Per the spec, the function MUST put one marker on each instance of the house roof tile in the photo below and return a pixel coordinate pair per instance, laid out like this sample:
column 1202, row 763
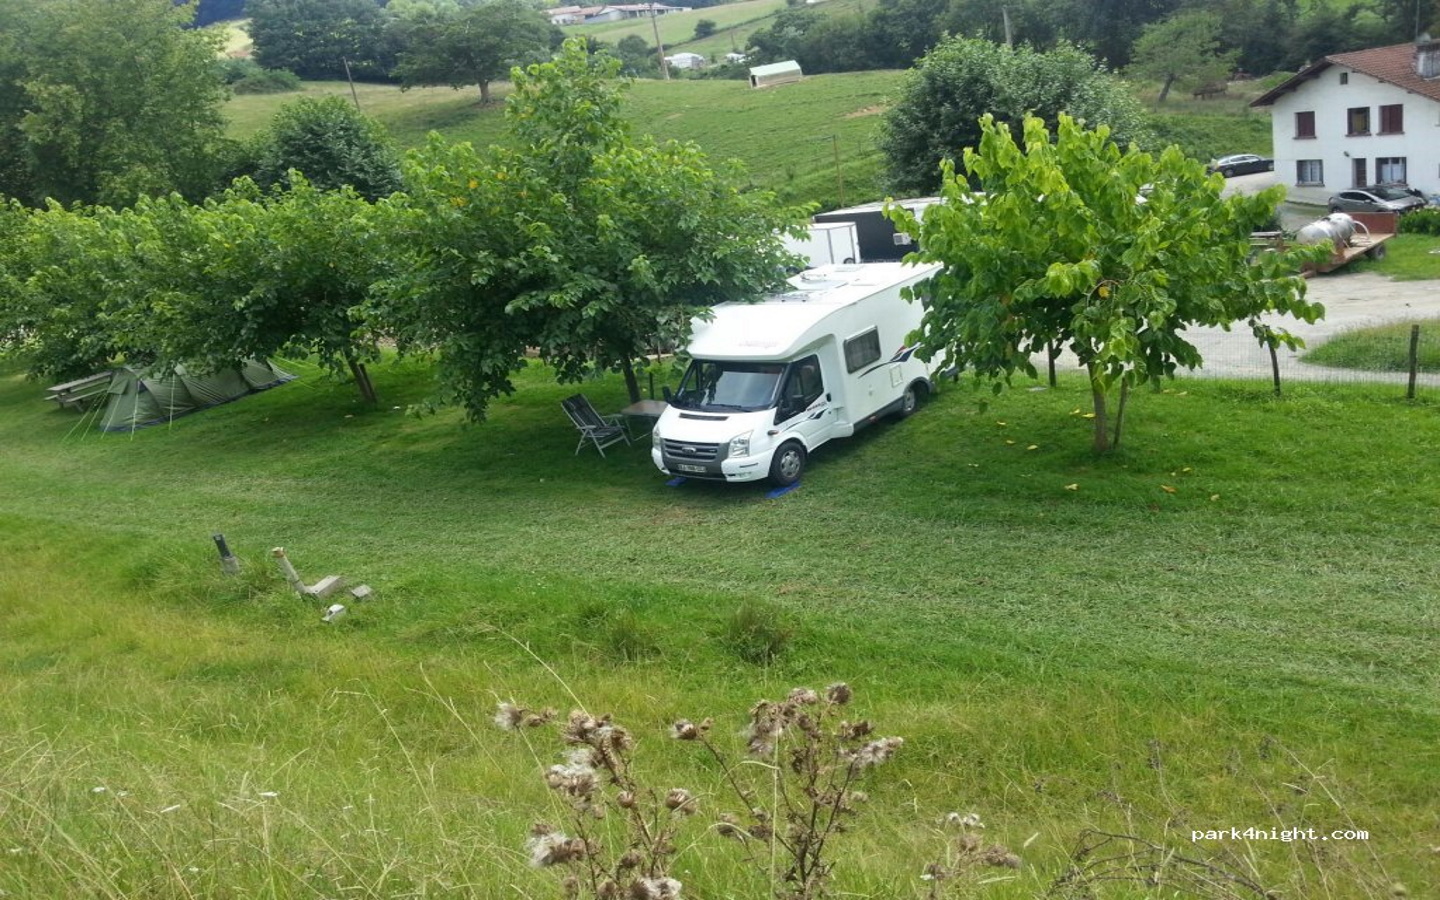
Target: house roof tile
column 1394, row 65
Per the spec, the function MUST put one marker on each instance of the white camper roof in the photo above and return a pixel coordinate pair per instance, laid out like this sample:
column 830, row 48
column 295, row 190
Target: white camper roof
column 778, row 326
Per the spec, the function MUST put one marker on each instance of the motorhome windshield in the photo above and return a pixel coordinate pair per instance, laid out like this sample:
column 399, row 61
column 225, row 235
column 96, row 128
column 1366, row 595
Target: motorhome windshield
column 728, row 386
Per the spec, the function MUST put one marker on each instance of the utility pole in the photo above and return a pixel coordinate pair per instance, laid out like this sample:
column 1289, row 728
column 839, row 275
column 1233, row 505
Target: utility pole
column 353, row 96
column 659, row 47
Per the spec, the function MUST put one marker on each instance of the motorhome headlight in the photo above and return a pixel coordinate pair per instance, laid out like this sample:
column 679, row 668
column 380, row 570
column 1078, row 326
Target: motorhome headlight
column 655, row 438
column 739, row 445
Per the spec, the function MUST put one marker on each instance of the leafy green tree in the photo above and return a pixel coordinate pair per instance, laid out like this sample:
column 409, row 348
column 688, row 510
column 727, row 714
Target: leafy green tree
column 1061, row 251
column 900, row 31
column 67, row 280
column 1108, row 28
column 1030, row 21
column 15, row 23
column 105, row 100
column 332, row 144
column 256, row 274
column 942, row 99
column 704, row 28
column 1184, row 48
column 592, row 245
column 1258, row 31
column 636, row 57
column 474, row 46
column 316, row 38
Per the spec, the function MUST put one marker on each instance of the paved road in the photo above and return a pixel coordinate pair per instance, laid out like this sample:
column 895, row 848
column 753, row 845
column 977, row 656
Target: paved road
column 1351, row 300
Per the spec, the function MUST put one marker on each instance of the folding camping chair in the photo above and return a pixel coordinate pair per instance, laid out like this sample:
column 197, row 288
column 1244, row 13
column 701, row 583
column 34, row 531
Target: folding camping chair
column 600, row 430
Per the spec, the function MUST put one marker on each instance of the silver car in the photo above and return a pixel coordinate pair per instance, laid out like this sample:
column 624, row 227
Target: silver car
column 1379, row 198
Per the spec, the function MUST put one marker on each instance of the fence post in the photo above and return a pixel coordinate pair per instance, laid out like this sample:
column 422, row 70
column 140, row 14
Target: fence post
column 1414, row 360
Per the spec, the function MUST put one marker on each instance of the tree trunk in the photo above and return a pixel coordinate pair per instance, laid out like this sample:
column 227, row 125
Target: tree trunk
column 1102, row 418
column 362, row 380
column 632, row 385
column 1120, row 414
column 1165, row 88
column 484, row 93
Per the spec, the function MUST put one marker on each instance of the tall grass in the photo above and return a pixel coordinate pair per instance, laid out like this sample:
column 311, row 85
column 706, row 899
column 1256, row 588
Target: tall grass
column 1251, row 647
column 1383, row 348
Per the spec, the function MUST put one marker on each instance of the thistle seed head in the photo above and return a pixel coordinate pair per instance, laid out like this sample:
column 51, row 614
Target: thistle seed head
column 655, row 889
column 508, row 716
column 681, row 801
column 803, row 696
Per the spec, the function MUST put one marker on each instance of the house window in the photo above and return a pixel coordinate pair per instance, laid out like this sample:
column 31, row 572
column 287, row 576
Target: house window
column 1310, row 171
column 1357, row 120
column 1305, row 124
column 1390, row 170
column 1344, row 77
column 1392, row 118
column 862, row 350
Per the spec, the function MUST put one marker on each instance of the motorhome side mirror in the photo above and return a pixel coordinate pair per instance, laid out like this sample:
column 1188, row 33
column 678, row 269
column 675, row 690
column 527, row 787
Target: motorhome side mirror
column 665, row 392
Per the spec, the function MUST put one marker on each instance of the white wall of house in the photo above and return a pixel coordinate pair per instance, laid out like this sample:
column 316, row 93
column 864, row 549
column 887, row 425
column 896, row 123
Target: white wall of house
column 1336, row 150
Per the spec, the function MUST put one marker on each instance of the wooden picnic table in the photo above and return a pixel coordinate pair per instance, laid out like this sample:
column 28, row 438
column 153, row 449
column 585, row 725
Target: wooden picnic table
column 82, row 392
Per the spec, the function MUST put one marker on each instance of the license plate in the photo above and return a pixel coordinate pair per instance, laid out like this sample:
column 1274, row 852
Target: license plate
column 684, row 468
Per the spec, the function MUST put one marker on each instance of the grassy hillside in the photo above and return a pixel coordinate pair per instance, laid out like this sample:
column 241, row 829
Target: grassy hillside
column 1209, row 629
column 735, row 22
column 783, row 135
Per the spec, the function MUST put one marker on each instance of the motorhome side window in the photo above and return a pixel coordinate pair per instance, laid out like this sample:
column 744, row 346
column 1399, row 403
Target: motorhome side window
column 862, row 350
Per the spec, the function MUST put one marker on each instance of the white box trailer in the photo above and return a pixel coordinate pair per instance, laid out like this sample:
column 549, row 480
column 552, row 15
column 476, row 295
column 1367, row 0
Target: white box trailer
column 826, row 244
column 770, row 382
column 876, row 237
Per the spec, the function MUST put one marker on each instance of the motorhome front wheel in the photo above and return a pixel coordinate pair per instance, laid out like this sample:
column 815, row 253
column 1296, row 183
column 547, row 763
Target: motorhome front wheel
column 788, row 464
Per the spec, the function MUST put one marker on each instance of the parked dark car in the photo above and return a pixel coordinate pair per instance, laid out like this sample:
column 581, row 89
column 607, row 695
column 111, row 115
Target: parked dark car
column 1377, row 198
column 1241, row 164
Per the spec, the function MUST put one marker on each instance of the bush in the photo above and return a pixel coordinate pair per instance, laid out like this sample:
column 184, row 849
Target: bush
column 704, row 28
column 1421, row 221
column 232, row 70
column 268, row 81
column 757, row 632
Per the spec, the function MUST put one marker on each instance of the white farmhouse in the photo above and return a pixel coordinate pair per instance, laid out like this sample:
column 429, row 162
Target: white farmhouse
column 1357, row 119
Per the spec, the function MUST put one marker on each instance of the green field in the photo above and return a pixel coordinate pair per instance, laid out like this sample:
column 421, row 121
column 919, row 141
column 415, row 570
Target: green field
column 786, row 137
column 734, row 22
column 782, row 135
column 1229, row 623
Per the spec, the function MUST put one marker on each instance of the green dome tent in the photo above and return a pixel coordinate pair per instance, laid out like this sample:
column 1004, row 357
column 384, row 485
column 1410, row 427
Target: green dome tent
column 138, row 399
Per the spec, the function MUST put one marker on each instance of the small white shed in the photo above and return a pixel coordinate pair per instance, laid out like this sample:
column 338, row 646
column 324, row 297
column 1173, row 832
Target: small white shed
column 775, row 73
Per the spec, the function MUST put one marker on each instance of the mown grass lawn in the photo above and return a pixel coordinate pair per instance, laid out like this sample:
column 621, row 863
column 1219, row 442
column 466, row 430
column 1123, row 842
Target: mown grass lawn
column 1228, row 623
column 1408, row 257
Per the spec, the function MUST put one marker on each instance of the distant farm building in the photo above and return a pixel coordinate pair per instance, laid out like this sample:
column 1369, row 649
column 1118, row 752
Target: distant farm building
column 585, row 15
column 775, row 73
column 686, row 61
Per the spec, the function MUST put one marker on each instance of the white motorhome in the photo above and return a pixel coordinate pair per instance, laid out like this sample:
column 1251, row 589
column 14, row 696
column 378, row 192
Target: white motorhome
column 769, row 382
